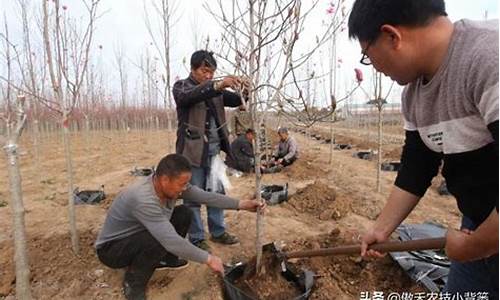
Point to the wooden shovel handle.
(392, 246)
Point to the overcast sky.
(123, 22)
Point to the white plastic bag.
(218, 176)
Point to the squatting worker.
(202, 133)
(287, 151)
(243, 158)
(450, 107)
(144, 229)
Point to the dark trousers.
(286, 162)
(479, 276)
(141, 252)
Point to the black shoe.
(203, 245)
(172, 264)
(132, 293)
(225, 239)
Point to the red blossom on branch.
(359, 75)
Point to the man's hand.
(280, 161)
(215, 263)
(372, 236)
(252, 205)
(466, 245)
(397, 208)
(458, 244)
(229, 82)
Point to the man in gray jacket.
(144, 229)
(288, 149)
(202, 133)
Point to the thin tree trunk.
(256, 126)
(69, 168)
(16, 204)
(380, 103)
(17, 208)
(333, 92)
(36, 144)
(332, 138)
(87, 137)
(379, 156)
(169, 121)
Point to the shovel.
(275, 255)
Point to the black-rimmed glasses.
(365, 59)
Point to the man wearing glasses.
(450, 107)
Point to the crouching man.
(288, 149)
(243, 158)
(287, 152)
(144, 230)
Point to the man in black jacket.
(202, 132)
(243, 158)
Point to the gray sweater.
(288, 149)
(138, 208)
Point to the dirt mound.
(350, 275)
(344, 276)
(56, 273)
(54, 268)
(304, 168)
(320, 200)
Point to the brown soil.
(304, 168)
(319, 200)
(335, 275)
(349, 275)
(58, 274)
(390, 151)
(393, 155)
(271, 286)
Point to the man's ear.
(164, 179)
(393, 34)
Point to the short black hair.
(173, 165)
(283, 130)
(367, 16)
(203, 58)
(250, 130)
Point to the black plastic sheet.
(142, 171)
(390, 166)
(88, 196)
(275, 194)
(428, 267)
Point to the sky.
(122, 23)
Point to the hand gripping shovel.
(391, 246)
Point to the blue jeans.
(215, 216)
(475, 276)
